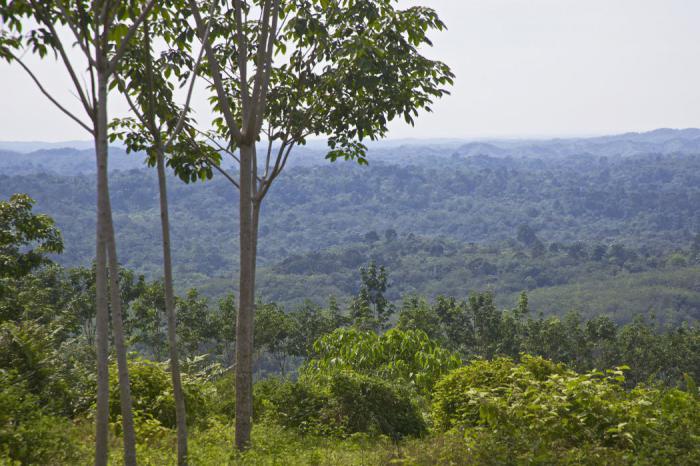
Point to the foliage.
(594, 261)
(25, 238)
(475, 328)
(341, 404)
(403, 357)
(152, 392)
(549, 413)
(370, 310)
(359, 382)
(53, 371)
(28, 433)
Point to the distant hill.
(64, 161)
(661, 141)
(77, 156)
(322, 221)
(25, 147)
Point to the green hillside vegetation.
(443, 381)
(595, 234)
(641, 201)
(591, 278)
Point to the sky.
(524, 68)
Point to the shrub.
(61, 384)
(543, 412)
(224, 397)
(152, 394)
(456, 396)
(341, 404)
(28, 434)
(405, 357)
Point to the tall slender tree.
(280, 71)
(156, 129)
(100, 30)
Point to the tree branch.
(280, 162)
(73, 27)
(215, 69)
(135, 109)
(223, 172)
(50, 97)
(64, 57)
(186, 108)
(268, 35)
(242, 55)
(112, 66)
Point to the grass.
(272, 445)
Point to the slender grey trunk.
(256, 222)
(246, 305)
(101, 300)
(107, 229)
(180, 413)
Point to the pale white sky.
(524, 68)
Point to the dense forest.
(239, 267)
(352, 383)
(539, 271)
(593, 233)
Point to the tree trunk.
(180, 413)
(107, 228)
(246, 305)
(101, 301)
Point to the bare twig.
(215, 69)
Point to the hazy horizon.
(540, 69)
(388, 140)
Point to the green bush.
(61, 384)
(224, 398)
(452, 403)
(28, 434)
(369, 404)
(543, 412)
(152, 394)
(405, 357)
(341, 404)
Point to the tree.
(225, 326)
(416, 314)
(370, 310)
(145, 322)
(526, 235)
(371, 236)
(390, 235)
(695, 249)
(100, 30)
(310, 322)
(25, 238)
(289, 69)
(157, 130)
(196, 324)
(273, 332)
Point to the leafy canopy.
(25, 238)
(340, 69)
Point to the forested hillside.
(455, 379)
(598, 233)
(250, 261)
